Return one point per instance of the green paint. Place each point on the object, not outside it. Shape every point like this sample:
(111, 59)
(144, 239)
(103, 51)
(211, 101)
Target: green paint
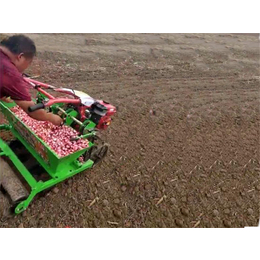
(59, 169)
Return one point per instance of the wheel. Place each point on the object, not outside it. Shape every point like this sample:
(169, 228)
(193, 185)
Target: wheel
(97, 153)
(11, 184)
(5, 209)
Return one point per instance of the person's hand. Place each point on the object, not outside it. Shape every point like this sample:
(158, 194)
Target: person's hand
(7, 99)
(55, 119)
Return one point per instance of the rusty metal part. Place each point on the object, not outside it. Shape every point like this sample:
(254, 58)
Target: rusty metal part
(11, 183)
(5, 206)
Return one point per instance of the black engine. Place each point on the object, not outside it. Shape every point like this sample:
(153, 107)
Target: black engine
(97, 110)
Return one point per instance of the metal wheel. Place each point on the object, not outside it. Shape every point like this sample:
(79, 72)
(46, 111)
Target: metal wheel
(5, 208)
(11, 184)
(97, 153)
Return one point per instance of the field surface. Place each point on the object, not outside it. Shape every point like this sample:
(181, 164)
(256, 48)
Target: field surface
(184, 145)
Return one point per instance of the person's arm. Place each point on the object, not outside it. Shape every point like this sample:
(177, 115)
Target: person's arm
(40, 114)
(17, 88)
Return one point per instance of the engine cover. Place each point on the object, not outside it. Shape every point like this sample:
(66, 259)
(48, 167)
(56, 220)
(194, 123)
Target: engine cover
(97, 111)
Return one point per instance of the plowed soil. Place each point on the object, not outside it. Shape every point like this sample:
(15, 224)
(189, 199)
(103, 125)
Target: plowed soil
(184, 145)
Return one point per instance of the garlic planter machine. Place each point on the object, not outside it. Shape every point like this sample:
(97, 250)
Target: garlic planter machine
(60, 151)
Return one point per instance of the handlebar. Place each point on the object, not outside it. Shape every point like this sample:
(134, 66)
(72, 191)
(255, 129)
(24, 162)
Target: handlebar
(38, 83)
(36, 107)
(54, 101)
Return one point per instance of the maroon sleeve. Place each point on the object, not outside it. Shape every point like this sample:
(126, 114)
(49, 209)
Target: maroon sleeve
(15, 86)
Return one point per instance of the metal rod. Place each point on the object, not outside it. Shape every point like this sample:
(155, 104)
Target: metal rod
(36, 82)
(83, 136)
(72, 117)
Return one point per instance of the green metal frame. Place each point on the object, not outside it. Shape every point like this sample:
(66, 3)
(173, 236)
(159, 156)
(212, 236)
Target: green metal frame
(59, 169)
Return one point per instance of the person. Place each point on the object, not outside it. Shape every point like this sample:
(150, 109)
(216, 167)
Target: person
(16, 55)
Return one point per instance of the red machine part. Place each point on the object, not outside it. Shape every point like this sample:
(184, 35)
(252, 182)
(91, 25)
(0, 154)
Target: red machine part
(104, 122)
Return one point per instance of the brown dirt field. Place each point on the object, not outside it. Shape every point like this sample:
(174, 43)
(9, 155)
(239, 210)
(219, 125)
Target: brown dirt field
(195, 163)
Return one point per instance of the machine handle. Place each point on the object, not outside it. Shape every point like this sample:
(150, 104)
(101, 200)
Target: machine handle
(36, 107)
(26, 75)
